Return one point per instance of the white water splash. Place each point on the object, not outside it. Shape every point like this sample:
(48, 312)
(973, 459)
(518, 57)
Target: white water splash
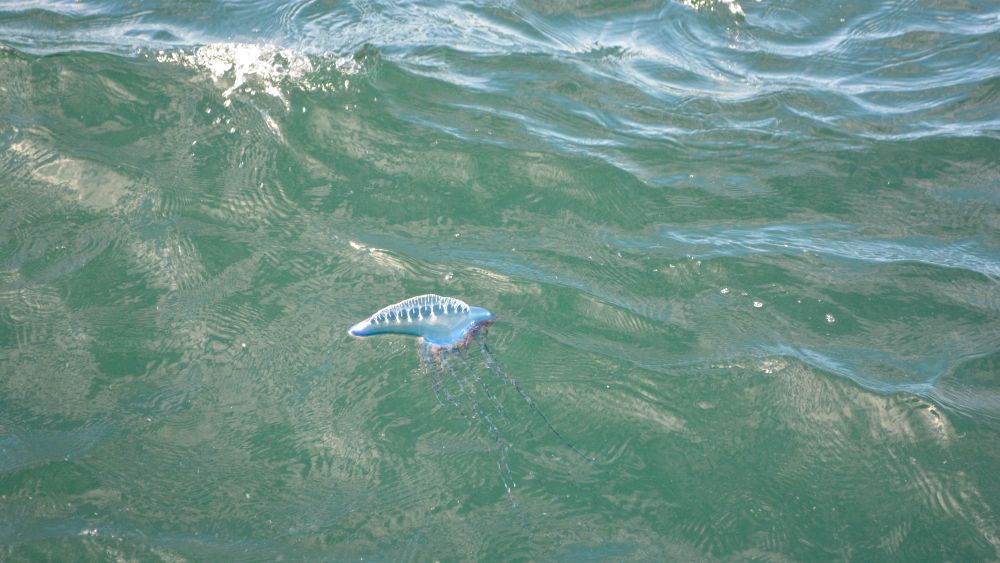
(710, 5)
(263, 67)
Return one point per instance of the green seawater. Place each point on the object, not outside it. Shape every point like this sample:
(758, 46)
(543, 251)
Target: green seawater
(744, 255)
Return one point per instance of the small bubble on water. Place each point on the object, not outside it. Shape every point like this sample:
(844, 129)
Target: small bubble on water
(758, 304)
(830, 319)
(724, 291)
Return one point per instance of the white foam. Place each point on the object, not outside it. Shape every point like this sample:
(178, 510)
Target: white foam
(710, 5)
(265, 67)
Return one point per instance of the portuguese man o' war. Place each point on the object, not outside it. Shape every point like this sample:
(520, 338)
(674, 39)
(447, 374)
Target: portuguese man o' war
(442, 323)
(445, 328)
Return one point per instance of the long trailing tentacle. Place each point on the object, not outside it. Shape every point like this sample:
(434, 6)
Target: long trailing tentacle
(440, 387)
(506, 475)
(436, 362)
(459, 356)
(497, 369)
(469, 394)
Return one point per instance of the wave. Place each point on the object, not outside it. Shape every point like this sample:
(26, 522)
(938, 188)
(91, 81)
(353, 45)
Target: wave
(832, 239)
(888, 72)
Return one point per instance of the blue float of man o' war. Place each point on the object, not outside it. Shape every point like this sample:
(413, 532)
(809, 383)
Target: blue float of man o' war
(440, 322)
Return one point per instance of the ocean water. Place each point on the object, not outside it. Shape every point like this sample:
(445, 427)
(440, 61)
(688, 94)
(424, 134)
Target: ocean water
(744, 254)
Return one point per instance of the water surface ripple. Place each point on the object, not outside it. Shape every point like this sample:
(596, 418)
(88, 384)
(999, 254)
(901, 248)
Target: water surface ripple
(744, 254)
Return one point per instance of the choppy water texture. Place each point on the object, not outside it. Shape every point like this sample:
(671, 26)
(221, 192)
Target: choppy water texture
(744, 254)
